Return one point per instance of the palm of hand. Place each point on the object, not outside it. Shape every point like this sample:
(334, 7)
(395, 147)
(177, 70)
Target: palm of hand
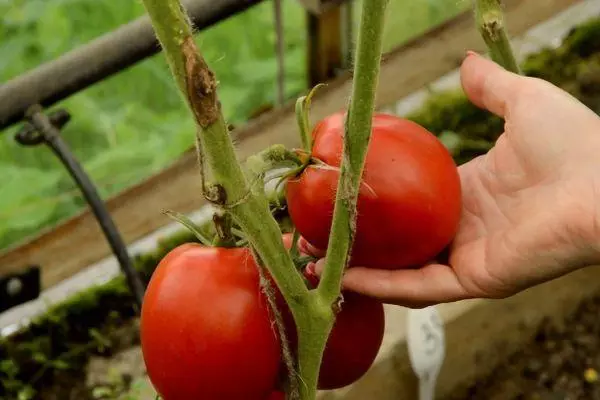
(528, 209)
(531, 205)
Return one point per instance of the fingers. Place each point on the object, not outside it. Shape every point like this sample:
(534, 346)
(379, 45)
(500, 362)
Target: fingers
(487, 84)
(415, 288)
(307, 248)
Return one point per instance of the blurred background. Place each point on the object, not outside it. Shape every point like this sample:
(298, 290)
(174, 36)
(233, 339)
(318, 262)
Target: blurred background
(131, 125)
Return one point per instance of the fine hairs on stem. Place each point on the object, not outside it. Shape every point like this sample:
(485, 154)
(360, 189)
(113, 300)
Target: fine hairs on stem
(313, 311)
(490, 21)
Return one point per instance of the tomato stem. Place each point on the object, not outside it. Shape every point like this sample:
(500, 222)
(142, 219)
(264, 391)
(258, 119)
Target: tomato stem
(242, 193)
(294, 250)
(356, 141)
(189, 224)
(223, 226)
(313, 329)
(231, 190)
(286, 350)
(302, 117)
(490, 22)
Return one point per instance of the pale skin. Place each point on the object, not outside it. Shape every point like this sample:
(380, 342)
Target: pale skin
(531, 205)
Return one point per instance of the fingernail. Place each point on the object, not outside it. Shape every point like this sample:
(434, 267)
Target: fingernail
(310, 269)
(318, 267)
(471, 53)
(310, 275)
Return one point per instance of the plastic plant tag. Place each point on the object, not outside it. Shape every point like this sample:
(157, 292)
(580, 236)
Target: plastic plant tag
(426, 348)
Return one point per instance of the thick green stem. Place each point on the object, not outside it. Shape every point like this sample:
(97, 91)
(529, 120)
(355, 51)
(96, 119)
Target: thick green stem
(302, 108)
(247, 205)
(314, 328)
(356, 140)
(490, 22)
(189, 224)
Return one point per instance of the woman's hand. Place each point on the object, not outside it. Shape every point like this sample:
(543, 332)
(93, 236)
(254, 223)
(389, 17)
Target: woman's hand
(531, 205)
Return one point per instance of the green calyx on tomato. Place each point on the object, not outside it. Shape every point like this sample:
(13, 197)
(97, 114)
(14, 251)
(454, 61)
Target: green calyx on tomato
(409, 203)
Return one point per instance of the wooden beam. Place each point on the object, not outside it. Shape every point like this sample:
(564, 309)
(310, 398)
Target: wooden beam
(320, 6)
(75, 244)
(325, 45)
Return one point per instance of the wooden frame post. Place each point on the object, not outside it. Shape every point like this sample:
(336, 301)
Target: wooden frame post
(325, 44)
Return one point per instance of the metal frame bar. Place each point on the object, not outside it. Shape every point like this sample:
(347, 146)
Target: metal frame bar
(99, 59)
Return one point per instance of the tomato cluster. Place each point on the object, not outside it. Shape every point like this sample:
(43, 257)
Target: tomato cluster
(409, 202)
(207, 329)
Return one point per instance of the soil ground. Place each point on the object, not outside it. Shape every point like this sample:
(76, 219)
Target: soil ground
(561, 363)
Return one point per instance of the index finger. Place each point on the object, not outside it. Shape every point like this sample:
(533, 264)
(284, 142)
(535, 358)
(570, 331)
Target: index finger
(431, 284)
(488, 85)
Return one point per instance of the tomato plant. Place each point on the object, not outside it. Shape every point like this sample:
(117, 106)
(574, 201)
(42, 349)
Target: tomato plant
(409, 202)
(206, 329)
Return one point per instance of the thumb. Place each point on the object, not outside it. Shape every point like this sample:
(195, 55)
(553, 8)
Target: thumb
(487, 84)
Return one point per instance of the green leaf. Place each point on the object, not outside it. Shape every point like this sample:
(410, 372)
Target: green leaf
(9, 368)
(101, 340)
(39, 357)
(21, 201)
(100, 392)
(60, 364)
(27, 393)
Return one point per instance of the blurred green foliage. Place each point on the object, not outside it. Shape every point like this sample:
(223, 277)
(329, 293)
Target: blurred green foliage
(134, 124)
(56, 346)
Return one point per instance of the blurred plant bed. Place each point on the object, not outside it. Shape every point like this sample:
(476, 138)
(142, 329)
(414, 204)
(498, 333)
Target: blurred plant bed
(561, 362)
(469, 131)
(50, 358)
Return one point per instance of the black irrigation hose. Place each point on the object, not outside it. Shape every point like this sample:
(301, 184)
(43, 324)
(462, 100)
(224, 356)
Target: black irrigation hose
(45, 130)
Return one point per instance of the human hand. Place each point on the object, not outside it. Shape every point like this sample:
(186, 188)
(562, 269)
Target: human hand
(531, 205)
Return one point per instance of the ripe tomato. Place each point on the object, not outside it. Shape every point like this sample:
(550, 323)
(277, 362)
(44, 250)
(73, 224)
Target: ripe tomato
(277, 396)
(354, 341)
(409, 202)
(206, 329)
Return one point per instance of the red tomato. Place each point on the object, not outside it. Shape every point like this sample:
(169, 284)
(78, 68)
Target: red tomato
(354, 341)
(277, 396)
(409, 202)
(206, 329)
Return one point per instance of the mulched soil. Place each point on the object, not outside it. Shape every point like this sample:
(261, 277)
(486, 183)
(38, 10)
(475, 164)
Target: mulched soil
(562, 362)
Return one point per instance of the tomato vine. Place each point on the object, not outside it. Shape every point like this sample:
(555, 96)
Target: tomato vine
(240, 193)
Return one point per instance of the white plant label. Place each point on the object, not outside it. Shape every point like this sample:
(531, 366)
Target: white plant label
(426, 348)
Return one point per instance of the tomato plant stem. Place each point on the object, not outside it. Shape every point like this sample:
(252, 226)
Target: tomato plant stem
(490, 22)
(230, 189)
(303, 120)
(313, 331)
(356, 140)
(242, 194)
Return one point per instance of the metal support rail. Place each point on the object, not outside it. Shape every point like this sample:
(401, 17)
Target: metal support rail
(99, 59)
